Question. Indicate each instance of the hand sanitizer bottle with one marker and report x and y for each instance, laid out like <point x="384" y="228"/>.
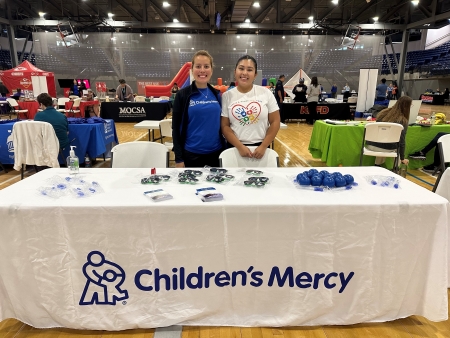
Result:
<point x="73" y="162"/>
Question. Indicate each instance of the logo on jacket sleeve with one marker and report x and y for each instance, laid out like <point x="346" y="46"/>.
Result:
<point x="103" y="281"/>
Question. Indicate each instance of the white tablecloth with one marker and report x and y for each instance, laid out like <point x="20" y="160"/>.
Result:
<point x="276" y="256"/>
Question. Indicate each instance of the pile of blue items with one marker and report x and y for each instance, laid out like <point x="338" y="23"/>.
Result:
<point x="77" y="120"/>
<point x="325" y="180"/>
<point x="382" y="103"/>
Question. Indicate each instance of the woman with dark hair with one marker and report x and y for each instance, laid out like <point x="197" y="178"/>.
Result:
<point x="446" y="94"/>
<point x="197" y="141"/>
<point x="313" y="93"/>
<point x="398" y="113"/>
<point x="175" y="88"/>
<point x="250" y="113"/>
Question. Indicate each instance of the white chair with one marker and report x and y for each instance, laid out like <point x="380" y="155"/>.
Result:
<point x="352" y="99"/>
<point x="443" y="145"/>
<point x="62" y="103"/>
<point x="140" y="155"/>
<point x="231" y="158"/>
<point x="156" y="99"/>
<point x="74" y="109"/>
<point x="165" y="129"/>
<point x="35" y="143"/>
<point x="85" y="92"/>
<point x="382" y="132"/>
<point x="15" y="108"/>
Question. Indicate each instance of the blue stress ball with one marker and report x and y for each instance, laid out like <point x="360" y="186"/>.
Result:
<point x="349" y="179"/>
<point x="306" y="173"/>
<point x="336" y="174"/>
<point x="316" y="180"/>
<point x="303" y="180"/>
<point x="340" y="181"/>
<point x="324" y="173"/>
<point x="328" y="181"/>
<point x="312" y="172"/>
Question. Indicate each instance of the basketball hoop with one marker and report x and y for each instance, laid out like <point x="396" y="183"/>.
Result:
<point x="351" y="36"/>
<point x="67" y="36"/>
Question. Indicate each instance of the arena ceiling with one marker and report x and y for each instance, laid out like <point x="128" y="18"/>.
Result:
<point x="239" y="16"/>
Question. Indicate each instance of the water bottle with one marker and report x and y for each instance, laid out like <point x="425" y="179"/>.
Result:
<point x="433" y="118"/>
<point x="87" y="161"/>
<point x="72" y="162"/>
<point x="403" y="170"/>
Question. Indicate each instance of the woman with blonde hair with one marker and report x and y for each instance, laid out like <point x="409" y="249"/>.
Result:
<point x="398" y="113"/>
<point x="197" y="141"/>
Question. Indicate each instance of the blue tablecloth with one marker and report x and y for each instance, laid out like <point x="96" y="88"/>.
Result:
<point x="94" y="139"/>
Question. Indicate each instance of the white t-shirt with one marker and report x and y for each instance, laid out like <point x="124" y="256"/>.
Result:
<point x="249" y="112"/>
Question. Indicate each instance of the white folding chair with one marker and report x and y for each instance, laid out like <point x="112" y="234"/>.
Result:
<point x="74" y="109"/>
<point x="35" y="143"/>
<point x="62" y="103"/>
<point x="140" y="155"/>
<point x="443" y="145"/>
<point x="231" y="158"/>
<point x="15" y="108"/>
<point x="382" y="132"/>
<point x="165" y="129"/>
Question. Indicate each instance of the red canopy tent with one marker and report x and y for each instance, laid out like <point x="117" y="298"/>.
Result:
<point x="24" y="75"/>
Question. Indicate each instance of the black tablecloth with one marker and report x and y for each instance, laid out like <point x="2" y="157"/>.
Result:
<point x="134" y="111"/>
<point x="432" y="99"/>
<point x="335" y="111"/>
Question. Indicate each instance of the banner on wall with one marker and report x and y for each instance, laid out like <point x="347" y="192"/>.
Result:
<point x="100" y="87"/>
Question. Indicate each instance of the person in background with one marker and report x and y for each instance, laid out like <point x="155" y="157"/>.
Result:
<point x="313" y="97"/>
<point x="422" y="154"/>
<point x="446" y="94"/>
<point x="394" y="91"/>
<point x="124" y="92"/>
<point x="3" y="89"/>
<point x="389" y="92"/>
<point x="197" y="140"/>
<point x="256" y="125"/>
<point x="398" y="113"/>
<point x="346" y="91"/>
<point x="272" y="88"/>
<point x="333" y="91"/>
<point x="231" y="86"/>
<point x="279" y="91"/>
<point x="174" y="89"/>
<point x="91" y="111"/>
<point x="300" y="91"/>
<point x="55" y="118"/>
<point x="381" y="91"/>
<point x="437" y="91"/>
<point x="18" y="94"/>
<point x="82" y="88"/>
<point x="74" y="88"/>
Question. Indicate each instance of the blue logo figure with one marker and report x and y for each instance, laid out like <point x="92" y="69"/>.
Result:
<point x="104" y="279"/>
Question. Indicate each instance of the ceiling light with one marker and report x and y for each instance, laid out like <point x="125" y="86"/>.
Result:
<point x="271" y="48"/>
<point x="189" y="36"/>
<point x="247" y="20"/>
<point x="311" y="18"/>
<point x="152" y="48"/>
<point x="140" y="34"/>
<point x="335" y="2"/>
<point x="375" y="19"/>
<point x="415" y="2"/>
<point x="234" y="48"/>
<point x="283" y="37"/>
<point x="166" y="4"/>
<point x="192" y="47"/>
<point x="256" y="4"/>
<point x="110" y="15"/>
<point x="238" y="36"/>
<point x="175" y="20"/>
<point x="41" y="14"/>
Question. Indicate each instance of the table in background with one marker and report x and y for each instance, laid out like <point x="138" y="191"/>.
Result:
<point x="134" y="111"/>
<point x="335" y="111"/>
<point x="94" y="139"/>
<point x="341" y="144"/>
<point x="151" y="126"/>
<point x="393" y="254"/>
<point x="32" y="107"/>
<point x="83" y="106"/>
<point x="435" y="99"/>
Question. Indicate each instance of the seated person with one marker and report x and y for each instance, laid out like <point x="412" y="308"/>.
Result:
<point x="421" y="154"/>
<point x="91" y="111"/>
<point x="16" y="96"/>
<point x="300" y="91"/>
<point x="55" y="118"/>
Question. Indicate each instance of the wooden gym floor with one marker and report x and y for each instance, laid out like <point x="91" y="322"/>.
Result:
<point x="292" y="146"/>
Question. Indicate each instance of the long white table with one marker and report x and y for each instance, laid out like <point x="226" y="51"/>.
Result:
<point x="274" y="256"/>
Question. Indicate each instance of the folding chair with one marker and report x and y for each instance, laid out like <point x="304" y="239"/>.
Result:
<point x="140" y="155"/>
<point x="382" y="132"/>
<point x="231" y="158"/>
<point x="62" y="103"/>
<point x="74" y="108"/>
<point x="443" y="145"/>
<point x="15" y="108"/>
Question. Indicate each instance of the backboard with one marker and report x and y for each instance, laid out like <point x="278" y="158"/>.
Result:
<point x="351" y="36"/>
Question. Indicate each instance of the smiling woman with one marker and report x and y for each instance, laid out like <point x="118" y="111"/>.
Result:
<point x="250" y="115"/>
<point x="197" y="140"/>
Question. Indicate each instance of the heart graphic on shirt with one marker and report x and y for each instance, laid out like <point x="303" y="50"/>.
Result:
<point x="246" y="114"/>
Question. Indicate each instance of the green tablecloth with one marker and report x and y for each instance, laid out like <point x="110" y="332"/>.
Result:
<point x="340" y="145"/>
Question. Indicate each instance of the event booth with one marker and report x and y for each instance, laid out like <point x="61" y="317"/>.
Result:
<point x="26" y="76"/>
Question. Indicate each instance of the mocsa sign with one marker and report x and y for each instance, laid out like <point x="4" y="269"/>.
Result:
<point x="131" y="110"/>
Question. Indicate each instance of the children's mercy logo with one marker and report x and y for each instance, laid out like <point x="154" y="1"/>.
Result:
<point x="103" y="281"/>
